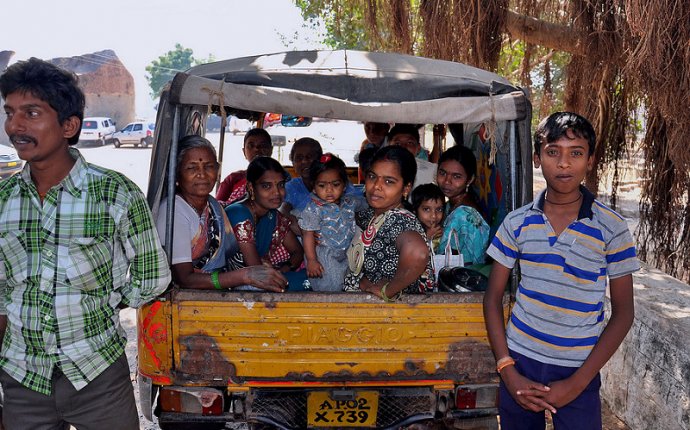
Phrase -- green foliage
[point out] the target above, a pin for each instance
(163, 69)
(343, 22)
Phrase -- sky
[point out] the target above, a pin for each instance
(139, 31)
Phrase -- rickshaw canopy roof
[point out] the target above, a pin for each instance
(353, 85)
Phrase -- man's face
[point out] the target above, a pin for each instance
(33, 127)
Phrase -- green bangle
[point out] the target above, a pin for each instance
(383, 294)
(215, 281)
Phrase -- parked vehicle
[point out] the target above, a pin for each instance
(10, 163)
(138, 133)
(313, 360)
(97, 130)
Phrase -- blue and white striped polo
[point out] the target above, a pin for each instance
(559, 307)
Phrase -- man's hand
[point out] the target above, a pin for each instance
(266, 278)
(314, 269)
(527, 393)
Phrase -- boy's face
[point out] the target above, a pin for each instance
(564, 163)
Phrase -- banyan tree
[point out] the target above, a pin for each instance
(625, 64)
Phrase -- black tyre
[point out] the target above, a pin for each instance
(116, 143)
(144, 143)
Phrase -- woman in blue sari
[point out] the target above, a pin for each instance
(263, 233)
(203, 241)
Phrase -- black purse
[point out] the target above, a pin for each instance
(461, 280)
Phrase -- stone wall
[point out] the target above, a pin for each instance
(647, 381)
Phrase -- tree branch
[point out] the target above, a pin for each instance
(546, 34)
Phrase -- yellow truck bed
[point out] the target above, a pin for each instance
(279, 358)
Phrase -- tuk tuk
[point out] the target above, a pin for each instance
(314, 360)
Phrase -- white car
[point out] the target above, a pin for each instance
(9, 162)
(135, 133)
(97, 130)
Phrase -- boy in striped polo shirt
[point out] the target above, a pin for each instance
(568, 245)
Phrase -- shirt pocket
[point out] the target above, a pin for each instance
(90, 264)
(585, 260)
(15, 261)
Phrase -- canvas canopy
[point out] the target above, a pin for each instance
(353, 85)
(347, 85)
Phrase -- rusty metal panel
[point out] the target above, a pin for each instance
(154, 341)
(236, 338)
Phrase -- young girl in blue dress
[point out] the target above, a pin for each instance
(330, 213)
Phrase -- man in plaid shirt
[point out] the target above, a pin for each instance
(77, 243)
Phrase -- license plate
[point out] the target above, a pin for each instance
(360, 411)
(12, 164)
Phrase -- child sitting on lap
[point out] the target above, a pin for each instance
(331, 214)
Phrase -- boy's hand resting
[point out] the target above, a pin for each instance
(527, 393)
(563, 392)
(314, 269)
(266, 278)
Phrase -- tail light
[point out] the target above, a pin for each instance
(476, 396)
(193, 400)
(148, 133)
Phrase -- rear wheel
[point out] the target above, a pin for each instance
(116, 143)
(144, 143)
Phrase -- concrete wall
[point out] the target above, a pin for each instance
(647, 381)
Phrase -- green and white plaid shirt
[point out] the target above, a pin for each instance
(66, 265)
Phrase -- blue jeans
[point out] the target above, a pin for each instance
(583, 413)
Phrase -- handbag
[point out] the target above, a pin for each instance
(440, 261)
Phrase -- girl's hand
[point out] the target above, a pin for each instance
(314, 269)
(527, 393)
(434, 232)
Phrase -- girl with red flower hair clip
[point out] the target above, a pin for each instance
(330, 213)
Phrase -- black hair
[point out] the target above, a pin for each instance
(410, 129)
(426, 192)
(400, 156)
(190, 142)
(48, 82)
(462, 155)
(326, 162)
(306, 141)
(260, 165)
(365, 157)
(258, 132)
(558, 124)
